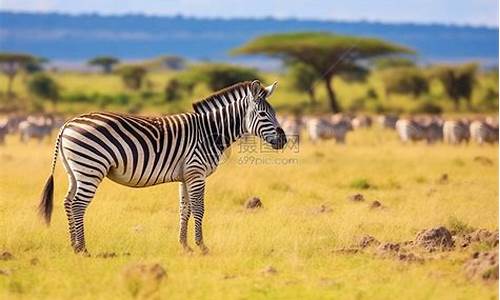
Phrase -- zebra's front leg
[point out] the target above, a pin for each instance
(184, 214)
(196, 189)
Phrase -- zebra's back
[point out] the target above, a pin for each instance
(131, 150)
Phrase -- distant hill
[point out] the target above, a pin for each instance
(77, 38)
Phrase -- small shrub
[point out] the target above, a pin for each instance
(458, 226)
(360, 184)
(427, 107)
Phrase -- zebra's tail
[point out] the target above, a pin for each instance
(47, 198)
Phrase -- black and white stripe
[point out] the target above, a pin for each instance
(145, 151)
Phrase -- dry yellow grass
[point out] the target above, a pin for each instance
(288, 233)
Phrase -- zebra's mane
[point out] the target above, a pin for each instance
(222, 98)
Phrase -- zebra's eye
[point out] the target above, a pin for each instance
(262, 114)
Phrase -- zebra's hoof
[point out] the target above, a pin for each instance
(204, 249)
(83, 253)
(187, 249)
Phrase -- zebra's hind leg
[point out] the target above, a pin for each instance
(184, 214)
(67, 208)
(85, 191)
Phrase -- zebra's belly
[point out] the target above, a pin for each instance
(144, 179)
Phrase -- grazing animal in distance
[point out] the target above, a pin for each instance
(145, 151)
(410, 130)
(429, 129)
(433, 130)
(4, 130)
(481, 132)
(388, 121)
(35, 128)
(361, 122)
(324, 129)
(292, 126)
(456, 132)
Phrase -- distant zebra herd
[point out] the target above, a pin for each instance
(430, 129)
(37, 127)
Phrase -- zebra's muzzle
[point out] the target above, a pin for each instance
(279, 140)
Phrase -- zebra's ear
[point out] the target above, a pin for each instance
(255, 87)
(270, 89)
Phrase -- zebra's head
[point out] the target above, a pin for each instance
(261, 119)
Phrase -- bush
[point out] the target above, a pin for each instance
(43, 86)
(405, 81)
(360, 184)
(428, 107)
(173, 90)
(133, 76)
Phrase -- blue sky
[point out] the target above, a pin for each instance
(473, 12)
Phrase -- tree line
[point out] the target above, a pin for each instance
(310, 59)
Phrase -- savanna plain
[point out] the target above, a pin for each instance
(302, 243)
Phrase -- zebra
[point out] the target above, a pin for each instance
(483, 132)
(4, 130)
(361, 121)
(292, 126)
(144, 151)
(37, 128)
(387, 121)
(456, 132)
(433, 129)
(320, 128)
(410, 130)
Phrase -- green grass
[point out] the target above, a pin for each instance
(288, 233)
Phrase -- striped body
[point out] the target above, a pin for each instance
(410, 130)
(322, 129)
(144, 151)
(456, 132)
(482, 132)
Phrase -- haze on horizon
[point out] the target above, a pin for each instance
(456, 12)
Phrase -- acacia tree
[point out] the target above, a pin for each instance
(329, 54)
(10, 64)
(104, 62)
(458, 81)
(304, 78)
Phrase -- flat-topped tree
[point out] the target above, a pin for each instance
(104, 62)
(11, 63)
(329, 54)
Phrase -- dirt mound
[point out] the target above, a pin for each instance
(6, 256)
(483, 265)
(269, 270)
(388, 248)
(324, 209)
(5, 272)
(438, 238)
(443, 179)
(483, 236)
(143, 280)
(253, 202)
(356, 198)
(483, 160)
(368, 241)
(376, 204)
(34, 261)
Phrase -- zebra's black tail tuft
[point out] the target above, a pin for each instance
(47, 200)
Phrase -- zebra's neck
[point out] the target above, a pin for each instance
(225, 125)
